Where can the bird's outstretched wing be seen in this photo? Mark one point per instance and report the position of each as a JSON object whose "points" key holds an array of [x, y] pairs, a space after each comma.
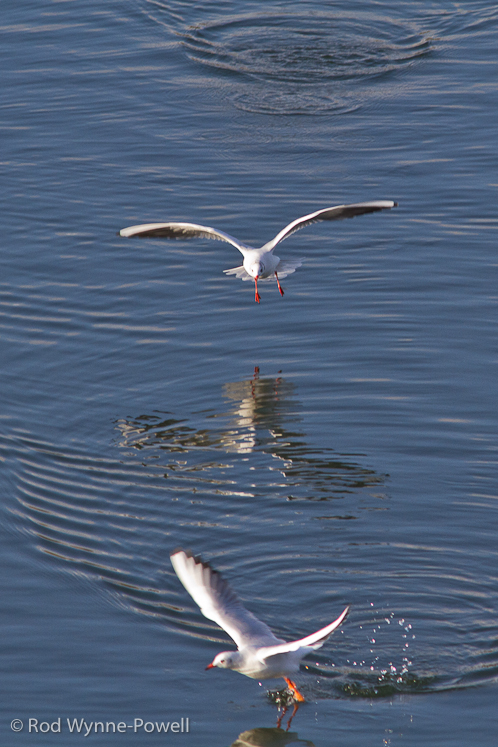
{"points": [[179, 231], [219, 603], [313, 641], [332, 213]]}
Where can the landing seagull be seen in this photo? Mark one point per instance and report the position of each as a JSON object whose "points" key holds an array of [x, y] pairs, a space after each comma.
{"points": [[260, 655], [259, 264]]}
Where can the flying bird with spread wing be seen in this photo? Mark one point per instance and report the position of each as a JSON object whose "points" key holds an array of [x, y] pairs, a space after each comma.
{"points": [[259, 264], [260, 654]]}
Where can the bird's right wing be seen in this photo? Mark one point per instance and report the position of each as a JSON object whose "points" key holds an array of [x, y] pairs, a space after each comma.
{"points": [[219, 603], [178, 231], [339, 212]]}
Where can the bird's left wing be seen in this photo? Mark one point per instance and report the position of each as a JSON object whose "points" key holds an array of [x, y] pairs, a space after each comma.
{"points": [[313, 641], [218, 602], [179, 231], [339, 212]]}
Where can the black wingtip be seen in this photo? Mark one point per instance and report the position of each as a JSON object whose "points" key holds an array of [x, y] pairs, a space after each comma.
{"points": [[178, 549], [186, 552], [196, 558]]}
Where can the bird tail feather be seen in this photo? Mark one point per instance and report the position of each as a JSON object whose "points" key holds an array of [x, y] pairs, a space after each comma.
{"points": [[285, 267]]}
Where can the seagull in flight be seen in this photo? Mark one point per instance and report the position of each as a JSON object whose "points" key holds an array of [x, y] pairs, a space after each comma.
{"points": [[260, 654], [259, 264]]}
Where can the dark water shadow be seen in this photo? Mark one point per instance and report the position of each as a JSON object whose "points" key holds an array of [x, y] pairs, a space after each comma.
{"points": [[266, 737]]}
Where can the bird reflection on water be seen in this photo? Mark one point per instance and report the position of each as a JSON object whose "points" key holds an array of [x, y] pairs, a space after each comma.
{"points": [[264, 418], [264, 737]]}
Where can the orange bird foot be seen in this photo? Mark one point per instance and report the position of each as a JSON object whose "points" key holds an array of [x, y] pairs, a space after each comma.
{"points": [[280, 289], [294, 691]]}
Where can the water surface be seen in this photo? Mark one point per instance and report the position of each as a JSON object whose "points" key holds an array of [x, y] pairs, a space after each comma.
{"points": [[337, 445]]}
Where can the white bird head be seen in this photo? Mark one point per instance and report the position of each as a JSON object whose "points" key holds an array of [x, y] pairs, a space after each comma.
{"points": [[255, 269], [225, 660]]}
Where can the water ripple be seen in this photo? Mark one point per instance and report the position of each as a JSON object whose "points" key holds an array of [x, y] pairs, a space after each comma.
{"points": [[303, 63], [236, 478], [291, 61]]}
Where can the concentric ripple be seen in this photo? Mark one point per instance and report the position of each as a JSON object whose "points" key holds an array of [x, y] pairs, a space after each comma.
{"points": [[236, 478], [114, 517], [304, 63]]}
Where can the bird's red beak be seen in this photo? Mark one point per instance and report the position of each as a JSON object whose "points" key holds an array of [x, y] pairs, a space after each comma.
{"points": [[210, 666], [256, 277]]}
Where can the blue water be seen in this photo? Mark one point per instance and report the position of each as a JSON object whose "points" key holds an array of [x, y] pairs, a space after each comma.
{"points": [[337, 445]]}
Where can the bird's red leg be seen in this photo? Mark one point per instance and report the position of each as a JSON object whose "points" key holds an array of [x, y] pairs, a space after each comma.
{"points": [[279, 286], [294, 691], [296, 706], [257, 297], [298, 698], [279, 720]]}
